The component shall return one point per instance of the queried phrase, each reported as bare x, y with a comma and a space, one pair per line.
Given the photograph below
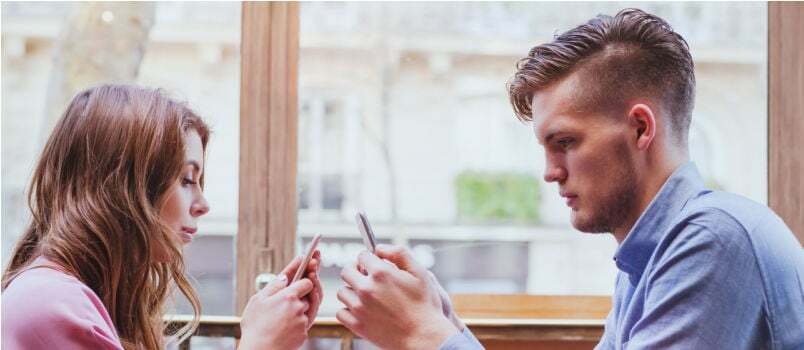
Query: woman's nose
200, 207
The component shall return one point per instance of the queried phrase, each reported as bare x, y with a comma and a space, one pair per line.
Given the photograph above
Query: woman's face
185, 201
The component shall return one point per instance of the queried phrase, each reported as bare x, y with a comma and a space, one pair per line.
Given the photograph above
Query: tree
100, 42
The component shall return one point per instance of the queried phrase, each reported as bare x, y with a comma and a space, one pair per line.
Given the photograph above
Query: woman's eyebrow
195, 165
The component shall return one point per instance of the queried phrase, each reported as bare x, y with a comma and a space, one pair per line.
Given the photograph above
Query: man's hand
392, 302
446, 303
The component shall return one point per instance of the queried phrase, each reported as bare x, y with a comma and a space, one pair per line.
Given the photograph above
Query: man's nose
554, 174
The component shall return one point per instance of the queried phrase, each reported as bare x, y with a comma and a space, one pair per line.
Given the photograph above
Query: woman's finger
274, 285
290, 269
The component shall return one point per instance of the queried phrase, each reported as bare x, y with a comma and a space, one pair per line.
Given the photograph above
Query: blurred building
404, 114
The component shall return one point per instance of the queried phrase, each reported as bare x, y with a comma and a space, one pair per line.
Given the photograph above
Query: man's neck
647, 189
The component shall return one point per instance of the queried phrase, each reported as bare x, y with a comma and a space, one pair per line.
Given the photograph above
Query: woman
116, 193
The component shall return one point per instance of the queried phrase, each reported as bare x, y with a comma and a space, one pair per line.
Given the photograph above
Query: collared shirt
706, 269
702, 269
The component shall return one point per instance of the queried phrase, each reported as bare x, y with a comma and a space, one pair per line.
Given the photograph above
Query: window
446, 169
190, 50
403, 114
327, 155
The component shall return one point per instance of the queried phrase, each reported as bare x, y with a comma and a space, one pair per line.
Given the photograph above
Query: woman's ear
643, 122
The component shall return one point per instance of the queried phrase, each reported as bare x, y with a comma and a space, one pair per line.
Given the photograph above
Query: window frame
267, 216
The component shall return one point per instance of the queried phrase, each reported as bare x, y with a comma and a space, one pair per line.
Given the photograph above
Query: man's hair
633, 54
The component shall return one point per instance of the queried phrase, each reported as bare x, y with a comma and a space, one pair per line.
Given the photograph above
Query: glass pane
404, 114
191, 50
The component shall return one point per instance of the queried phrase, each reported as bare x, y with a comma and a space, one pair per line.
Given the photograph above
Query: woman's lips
187, 234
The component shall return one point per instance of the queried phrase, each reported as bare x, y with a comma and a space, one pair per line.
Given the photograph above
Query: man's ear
642, 120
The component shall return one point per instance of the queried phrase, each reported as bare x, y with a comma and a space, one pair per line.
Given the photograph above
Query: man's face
589, 154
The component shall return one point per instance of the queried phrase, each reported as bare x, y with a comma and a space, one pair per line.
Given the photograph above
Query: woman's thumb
275, 285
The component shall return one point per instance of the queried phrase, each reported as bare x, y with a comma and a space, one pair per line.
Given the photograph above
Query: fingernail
283, 278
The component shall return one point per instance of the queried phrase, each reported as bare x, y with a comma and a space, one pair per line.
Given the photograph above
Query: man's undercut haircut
618, 59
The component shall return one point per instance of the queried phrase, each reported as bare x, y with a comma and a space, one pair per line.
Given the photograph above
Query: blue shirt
702, 269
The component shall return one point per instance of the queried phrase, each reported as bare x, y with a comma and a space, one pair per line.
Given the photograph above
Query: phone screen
366, 231
307, 256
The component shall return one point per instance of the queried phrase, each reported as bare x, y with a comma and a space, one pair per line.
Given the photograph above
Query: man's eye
564, 143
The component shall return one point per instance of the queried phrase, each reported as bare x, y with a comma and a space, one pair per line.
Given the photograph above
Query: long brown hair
95, 198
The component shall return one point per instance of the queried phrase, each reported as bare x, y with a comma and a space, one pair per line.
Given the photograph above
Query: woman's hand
317, 294
279, 316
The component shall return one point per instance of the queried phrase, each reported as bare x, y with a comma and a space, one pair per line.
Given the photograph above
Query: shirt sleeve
704, 292
464, 340
58, 316
607, 340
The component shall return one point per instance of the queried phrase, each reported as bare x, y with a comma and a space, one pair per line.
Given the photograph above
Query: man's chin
586, 224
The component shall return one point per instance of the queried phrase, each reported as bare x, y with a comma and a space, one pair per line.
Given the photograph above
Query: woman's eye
186, 181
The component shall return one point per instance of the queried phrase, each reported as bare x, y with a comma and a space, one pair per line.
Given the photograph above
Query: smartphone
366, 231
308, 255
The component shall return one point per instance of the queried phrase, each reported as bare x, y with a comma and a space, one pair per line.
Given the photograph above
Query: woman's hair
95, 198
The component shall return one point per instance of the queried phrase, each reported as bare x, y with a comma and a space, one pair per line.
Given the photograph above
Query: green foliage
497, 197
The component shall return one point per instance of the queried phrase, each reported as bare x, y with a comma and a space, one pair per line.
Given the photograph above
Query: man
611, 102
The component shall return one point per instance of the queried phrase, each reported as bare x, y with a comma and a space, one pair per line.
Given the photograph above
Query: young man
611, 102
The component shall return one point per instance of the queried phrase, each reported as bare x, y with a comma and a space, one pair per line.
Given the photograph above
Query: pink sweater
44, 308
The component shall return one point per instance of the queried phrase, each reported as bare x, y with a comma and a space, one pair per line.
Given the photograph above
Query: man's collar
638, 246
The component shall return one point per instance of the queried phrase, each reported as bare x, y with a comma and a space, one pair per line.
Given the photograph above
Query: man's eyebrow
551, 134
555, 129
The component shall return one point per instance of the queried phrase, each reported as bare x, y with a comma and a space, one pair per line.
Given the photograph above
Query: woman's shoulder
45, 307
42, 287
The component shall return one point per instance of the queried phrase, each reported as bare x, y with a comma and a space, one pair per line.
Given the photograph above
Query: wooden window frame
268, 130
786, 113
268, 155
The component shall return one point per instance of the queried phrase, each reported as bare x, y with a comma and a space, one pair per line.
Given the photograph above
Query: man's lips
571, 198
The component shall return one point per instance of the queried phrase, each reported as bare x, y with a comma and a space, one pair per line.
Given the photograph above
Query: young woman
116, 193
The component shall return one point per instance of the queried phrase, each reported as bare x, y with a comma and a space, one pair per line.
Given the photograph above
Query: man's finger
400, 257
349, 321
352, 277
348, 297
371, 263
